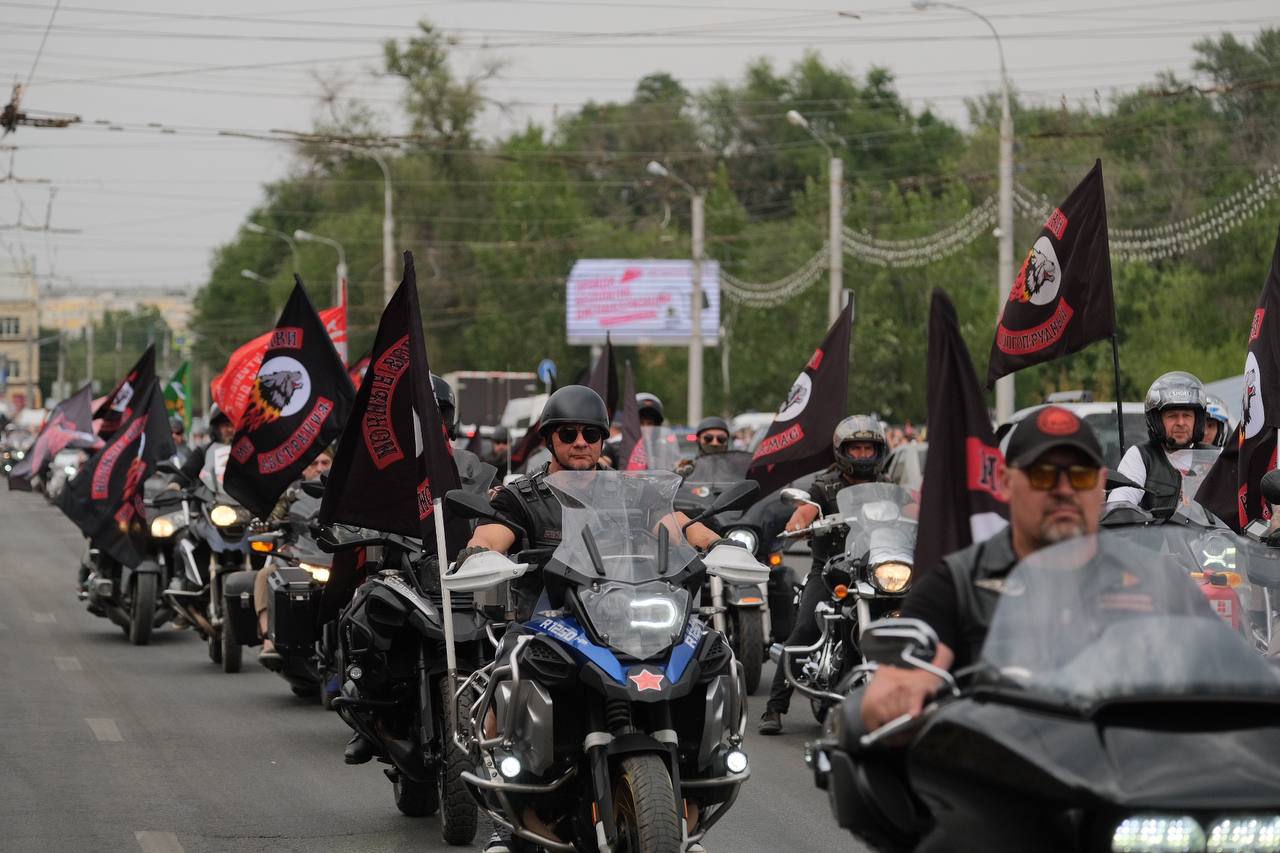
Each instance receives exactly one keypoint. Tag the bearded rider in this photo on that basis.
(1176, 413)
(860, 449)
(713, 438)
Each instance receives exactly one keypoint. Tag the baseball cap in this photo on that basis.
(1049, 428)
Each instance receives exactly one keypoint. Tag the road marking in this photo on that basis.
(105, 729)
(44, 618)
(68, 664)
(158, 842)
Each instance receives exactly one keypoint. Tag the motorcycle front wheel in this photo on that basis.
(458, 810)
(644, 807)
(142, 613)
(747, 641)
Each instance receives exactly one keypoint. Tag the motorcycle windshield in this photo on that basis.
(610, 522)
(719, 469)
(1130, 615)
(882, 522)
(662, 448)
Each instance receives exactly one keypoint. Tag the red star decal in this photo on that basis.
(646, 680)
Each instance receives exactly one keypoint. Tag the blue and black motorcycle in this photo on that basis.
(613, 719)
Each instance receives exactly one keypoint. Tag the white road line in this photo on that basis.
(44, 618)
(68, 664)
(158, 842)
(105, 729)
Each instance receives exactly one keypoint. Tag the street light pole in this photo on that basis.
(308, 237)
(1005, 272)
(255, 228)
(835, 220)
(253, 276)
(698, 216)
(388, 221)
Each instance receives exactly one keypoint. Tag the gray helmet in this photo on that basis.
(1176, 389)
(446, 403)
(1216, 409)
(710, 423)
(573, 404)
(177, 424)
(650, 403)
(500, 435)
(859, 428)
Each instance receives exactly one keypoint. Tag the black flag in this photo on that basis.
(799, 440)
(120, 404)
(604, 377)
(69, 425)
(632, 454)
(105, 497)
(1062, 299)
(298, 405)
(394, 456)
(962, 499)
(1238, 500)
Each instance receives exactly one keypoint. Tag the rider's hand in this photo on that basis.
(467, 552)
(895, 691)
(724, 540)
(802, 517)
(172, 487)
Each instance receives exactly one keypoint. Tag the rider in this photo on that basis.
(1176, 411)
(221, 431)
(1217, 419)
(860, 449)
(498, 457)
(713, 437)
(651, 411)
(178, 429)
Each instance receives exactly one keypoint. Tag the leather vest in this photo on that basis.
(978, 573)
(542, 508)
(1163, 486)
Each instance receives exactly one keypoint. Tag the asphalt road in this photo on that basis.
(109, 747)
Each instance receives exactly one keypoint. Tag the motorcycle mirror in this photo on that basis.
(1116, 480)
(893, 641)
(738, 496)
(795, 497)
(1271, 486)
(313, 488)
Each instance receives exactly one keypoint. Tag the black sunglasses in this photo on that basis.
(713, 438)
(569, 434)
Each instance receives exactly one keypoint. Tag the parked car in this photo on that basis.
(905, 464)
(1100, 416)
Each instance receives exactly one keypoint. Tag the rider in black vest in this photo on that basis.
(1176, 411)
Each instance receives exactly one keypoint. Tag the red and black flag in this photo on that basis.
(632, 455)
(297, 407)
(962, 499)
(105, 498)
(120, 404)
(604, 377)
(69, 425)
(799, 440)
(1238, 499)
(1061, 300)
(394, 456)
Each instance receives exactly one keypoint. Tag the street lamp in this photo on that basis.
(253, 276)
(388, 221)
(308, 237)
(835, 218)
(695, 338)
(255, 228)
(1004, 276)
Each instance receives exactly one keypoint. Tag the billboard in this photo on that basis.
(639, 302)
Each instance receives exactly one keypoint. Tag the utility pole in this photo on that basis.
(695, 339)
(88, 355)
(61, 393)
(835, 238)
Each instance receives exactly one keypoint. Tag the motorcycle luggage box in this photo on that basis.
(237, 603)
(293, 604)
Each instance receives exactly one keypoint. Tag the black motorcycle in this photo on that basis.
(612, 719)
(1110, 709)
(132, 596)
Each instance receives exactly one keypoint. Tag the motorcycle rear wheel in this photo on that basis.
(232, 651)
(644, 807)
(415, 799)
(142, 613)
(458, 810)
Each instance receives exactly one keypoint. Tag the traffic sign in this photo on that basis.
(547, 371)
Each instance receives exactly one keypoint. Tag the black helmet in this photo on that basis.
(573, 404)
(216, 416)
(500, 435)
(1175, 390)
(859, 428)
(177, 424)
(447, 403)
(710, 423)
(650, 403)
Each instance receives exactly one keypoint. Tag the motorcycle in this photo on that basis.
(740, 612)
(865, 581)
(1103, 678)
(614, 718)
(131, 597)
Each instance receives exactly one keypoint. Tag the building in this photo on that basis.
(71, 311)
(19, 333)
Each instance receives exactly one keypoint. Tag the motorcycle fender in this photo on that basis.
(719, 715)
(532, 730)
(746, 597)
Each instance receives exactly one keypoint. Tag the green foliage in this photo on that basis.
(495, 227)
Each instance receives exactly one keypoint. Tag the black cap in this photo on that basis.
(1049, 428)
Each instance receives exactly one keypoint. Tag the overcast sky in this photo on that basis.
(154, 188)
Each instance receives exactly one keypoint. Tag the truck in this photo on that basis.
(483, 394)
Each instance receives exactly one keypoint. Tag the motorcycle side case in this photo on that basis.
(237, 602)
(294, 603)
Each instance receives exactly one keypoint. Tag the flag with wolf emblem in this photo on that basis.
(394, 457)
(1061, 300)
(799, 440)
(1233, 487)
(297, 406)
(105, 497)
(962, 499)
(69, 425)
(120, 404)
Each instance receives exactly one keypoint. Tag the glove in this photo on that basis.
(172, 487)
(724, 540)
(467, 552)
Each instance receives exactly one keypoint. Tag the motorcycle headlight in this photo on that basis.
(1158, 834)
(1246, 832)
(223, 515)
(319, 573)
(892, 576)
(745, 536)
(163, 527)
(640, 621)
(19, 454)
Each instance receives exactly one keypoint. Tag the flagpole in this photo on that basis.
(1115, 363)
(446, 603)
